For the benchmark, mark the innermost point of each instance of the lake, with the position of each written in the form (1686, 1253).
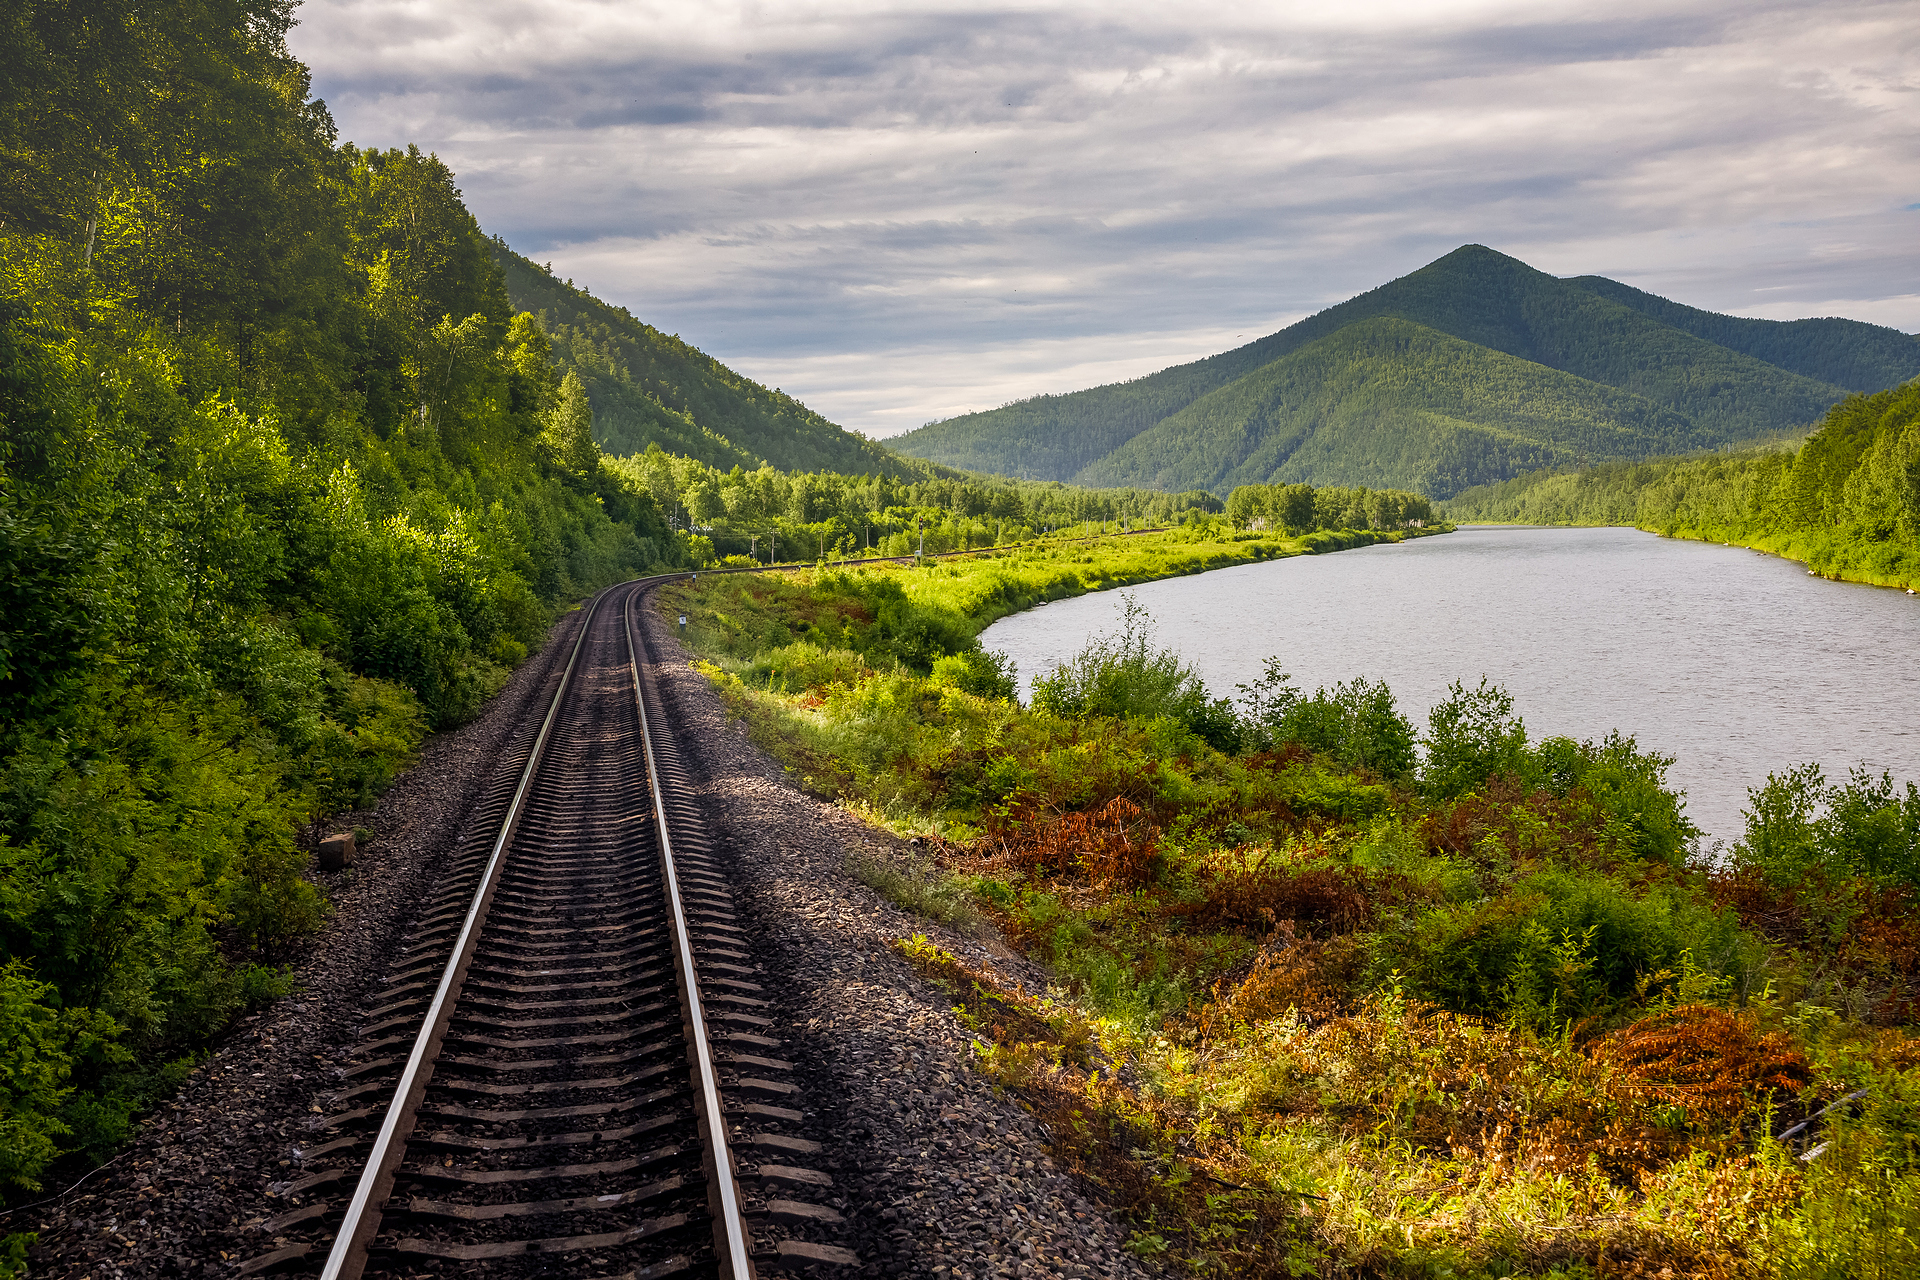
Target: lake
(1737, 663)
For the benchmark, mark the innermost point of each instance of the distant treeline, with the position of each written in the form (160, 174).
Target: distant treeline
(808, 514)
(1847, 501)
(1301, 508)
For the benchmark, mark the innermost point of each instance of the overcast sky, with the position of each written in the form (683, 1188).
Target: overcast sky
(901, 212)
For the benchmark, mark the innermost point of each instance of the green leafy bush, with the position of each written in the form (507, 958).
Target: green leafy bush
(1560, 944)
(1124, 677)
(982, 674)
(1472, 735)
(1798, 824)
(1355, 722)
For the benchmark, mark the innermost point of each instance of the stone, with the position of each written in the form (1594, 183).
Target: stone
(336, 852)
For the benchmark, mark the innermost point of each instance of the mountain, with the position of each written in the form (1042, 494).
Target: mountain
(1847, 353)
(651, 388)
(1720, 393)
(1383, 400)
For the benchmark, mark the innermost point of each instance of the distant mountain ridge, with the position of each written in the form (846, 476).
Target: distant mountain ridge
(1636, 374)
(651, 388)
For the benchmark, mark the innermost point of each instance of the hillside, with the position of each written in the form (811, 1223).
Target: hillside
(1477, 296)
(285, 485)
(648, 387)
(1847, 501)
(1847, 353)
(1386, 400)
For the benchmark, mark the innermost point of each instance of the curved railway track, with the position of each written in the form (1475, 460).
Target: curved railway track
(573, 1067)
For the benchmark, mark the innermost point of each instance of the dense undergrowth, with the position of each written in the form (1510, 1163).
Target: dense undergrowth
(1336, 997)
(1846, 501)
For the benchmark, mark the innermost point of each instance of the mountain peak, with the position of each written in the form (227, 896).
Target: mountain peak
(1707, 380)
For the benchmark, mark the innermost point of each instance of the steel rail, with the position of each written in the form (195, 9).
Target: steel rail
(729, 1225)
(348, 1258)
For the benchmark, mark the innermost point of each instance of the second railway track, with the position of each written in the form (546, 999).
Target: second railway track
(574, 1067)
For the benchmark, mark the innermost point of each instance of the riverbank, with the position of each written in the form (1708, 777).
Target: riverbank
(1315, 1005)
(1873, 564)
(1846, 503)
(986, 585)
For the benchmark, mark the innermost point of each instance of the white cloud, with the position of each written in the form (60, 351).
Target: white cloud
(902, 212)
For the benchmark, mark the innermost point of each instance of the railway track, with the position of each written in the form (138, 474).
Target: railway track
(573, 1067)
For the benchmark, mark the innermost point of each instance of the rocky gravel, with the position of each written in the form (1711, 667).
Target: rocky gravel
(935, 1174)
(938, 1176)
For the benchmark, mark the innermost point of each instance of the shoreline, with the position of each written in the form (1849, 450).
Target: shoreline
(1779, 545)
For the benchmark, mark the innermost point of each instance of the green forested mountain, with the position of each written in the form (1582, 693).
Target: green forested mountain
(650, 388)
(1846, 353)
(1388, 403)
(1847, 501)
(1474, 295)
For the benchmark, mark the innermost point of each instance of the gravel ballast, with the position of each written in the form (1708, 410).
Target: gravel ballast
(934, 1174)
(939, 1177)
(192, 1194)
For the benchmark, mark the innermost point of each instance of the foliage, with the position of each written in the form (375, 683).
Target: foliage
(1847, 501)
(1799, 825)
(1472, 735)
(1471, 369)
(283, 486)
(902, 510)
(1123, 677)
(652, 390)
(1485, 1015)
(1355, 722)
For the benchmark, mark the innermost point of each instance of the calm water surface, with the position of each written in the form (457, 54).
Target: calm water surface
(1737, 663)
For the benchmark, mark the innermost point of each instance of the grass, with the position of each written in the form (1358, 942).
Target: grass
(1305, 1019)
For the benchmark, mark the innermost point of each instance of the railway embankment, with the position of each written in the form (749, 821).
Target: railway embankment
(926, 1170)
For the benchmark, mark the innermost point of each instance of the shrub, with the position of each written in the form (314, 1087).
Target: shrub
(1644, 817)
(803, 665)
(1124, 677)
(983, 674)
(38, 1044)
(1562, 945)
(1799, 824)
(1354, 722)
(1472, 736)
(1716, 1065)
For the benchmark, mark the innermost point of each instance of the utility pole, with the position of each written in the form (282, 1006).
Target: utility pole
(921, 521)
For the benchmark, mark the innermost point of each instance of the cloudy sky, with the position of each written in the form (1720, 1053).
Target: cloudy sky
(900, 212)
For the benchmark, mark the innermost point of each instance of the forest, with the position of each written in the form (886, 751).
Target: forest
(1389, 403)
(1587, 370)
(1334, 993)
(1846, 501)
(285, 485)
(652, 390)
(739, 516)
